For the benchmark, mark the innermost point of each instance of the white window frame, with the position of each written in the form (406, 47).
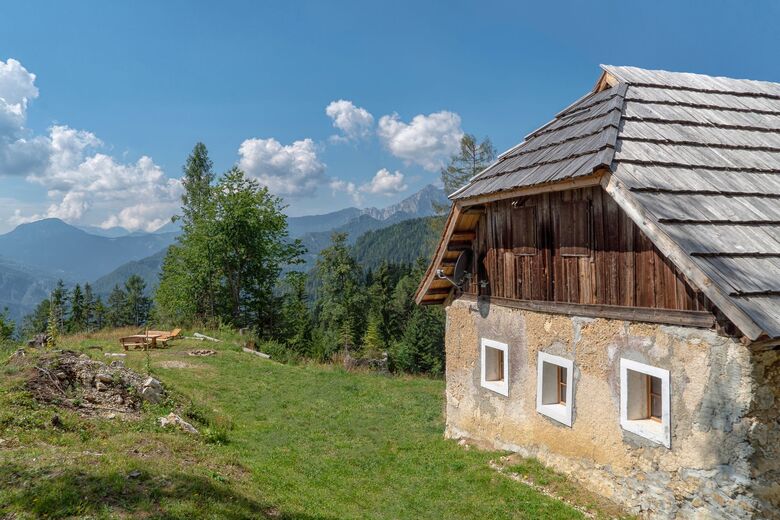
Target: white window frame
(658, 432)
(556, 411)
(500, 387)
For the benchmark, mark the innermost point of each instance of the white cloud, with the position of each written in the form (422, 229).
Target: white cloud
(427, 140)
(288, 170)
(385, 183)
(19, 153)
(355, 122)
(17, 88)
(80, 181)
(350, 188)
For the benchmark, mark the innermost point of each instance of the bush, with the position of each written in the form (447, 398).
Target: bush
(218, 436)
(278, 351)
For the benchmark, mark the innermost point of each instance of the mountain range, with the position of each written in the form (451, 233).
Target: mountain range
(35, 255)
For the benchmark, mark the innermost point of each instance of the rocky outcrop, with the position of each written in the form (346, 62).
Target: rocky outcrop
(76, 381)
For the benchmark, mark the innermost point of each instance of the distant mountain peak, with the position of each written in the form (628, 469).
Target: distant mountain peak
(420, 204)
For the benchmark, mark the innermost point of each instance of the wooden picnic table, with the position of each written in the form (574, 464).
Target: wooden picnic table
(145, 341)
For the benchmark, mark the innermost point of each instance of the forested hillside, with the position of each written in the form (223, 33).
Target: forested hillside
(401, 243)
(147, 268)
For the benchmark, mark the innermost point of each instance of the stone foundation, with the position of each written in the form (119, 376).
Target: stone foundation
(724, 460)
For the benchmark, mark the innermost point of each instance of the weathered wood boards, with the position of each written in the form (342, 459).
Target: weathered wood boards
(584, 250)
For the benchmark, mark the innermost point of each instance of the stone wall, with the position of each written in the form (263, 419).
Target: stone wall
(724, 459)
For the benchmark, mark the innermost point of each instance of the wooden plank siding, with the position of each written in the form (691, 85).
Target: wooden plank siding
(606, 260)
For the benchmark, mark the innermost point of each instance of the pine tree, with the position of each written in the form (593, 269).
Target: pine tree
(58, 300)
(78, 316)
(341, 300)
(38, 321)
(116, 311)
(98, 314)
(373, 342)
(138, 304)
(89, 308)
(7, 326)
(189, 279)
(472, 159)
(296, 314)
(52, 328)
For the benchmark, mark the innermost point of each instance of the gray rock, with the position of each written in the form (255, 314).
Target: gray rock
(177, 422)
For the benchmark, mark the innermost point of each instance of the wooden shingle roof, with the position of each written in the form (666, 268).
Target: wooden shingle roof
(694, 159)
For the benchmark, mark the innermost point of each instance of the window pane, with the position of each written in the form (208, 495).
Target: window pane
(656, 407)
(562, 385)
(655, 385)
(494, 364)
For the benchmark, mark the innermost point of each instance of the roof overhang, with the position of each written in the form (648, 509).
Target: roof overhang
(460, 227)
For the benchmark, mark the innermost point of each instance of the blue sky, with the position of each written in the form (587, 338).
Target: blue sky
(119, 81)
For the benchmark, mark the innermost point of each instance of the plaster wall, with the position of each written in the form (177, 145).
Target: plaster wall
(724, 459)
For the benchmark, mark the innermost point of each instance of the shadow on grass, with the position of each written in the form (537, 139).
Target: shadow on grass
(75, 492)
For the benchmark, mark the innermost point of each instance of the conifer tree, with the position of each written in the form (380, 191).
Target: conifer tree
(7, 326)
(116, 311)
(341, 299)
(58, 299)
(52, 328)
(89, 308)
(296, 314)
(138, 304)
(77, 320)
(472, 158)
(98, 314)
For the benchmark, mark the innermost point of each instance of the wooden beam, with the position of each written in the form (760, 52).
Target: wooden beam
(650, 315)
(441, 248)
(679, 257)
(570, 184)
(463, 236)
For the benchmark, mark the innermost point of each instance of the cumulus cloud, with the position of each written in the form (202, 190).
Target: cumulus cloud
(137, 196)
(19, 153)
(17, 88)
(78, 178)
(354, 122)
(350, 188)
(292, 170)
(427, 140)
(385, 183)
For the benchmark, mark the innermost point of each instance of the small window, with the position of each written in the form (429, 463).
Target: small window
(554, 392)
(495, 366)
(574, 228)
(524, 230)
(562, 385)
(645, 401)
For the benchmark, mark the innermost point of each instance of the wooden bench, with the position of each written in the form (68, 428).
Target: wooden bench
(143, 341)
(164, 336)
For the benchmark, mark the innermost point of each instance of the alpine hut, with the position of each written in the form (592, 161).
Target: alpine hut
(612, 290)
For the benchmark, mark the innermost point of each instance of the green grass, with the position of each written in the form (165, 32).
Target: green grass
(279, 441)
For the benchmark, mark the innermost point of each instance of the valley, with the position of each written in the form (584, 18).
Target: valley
(34, 256)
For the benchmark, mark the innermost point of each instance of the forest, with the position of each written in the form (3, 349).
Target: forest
(235, 266)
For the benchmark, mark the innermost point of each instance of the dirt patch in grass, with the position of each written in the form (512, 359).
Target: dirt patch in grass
(174, 364)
